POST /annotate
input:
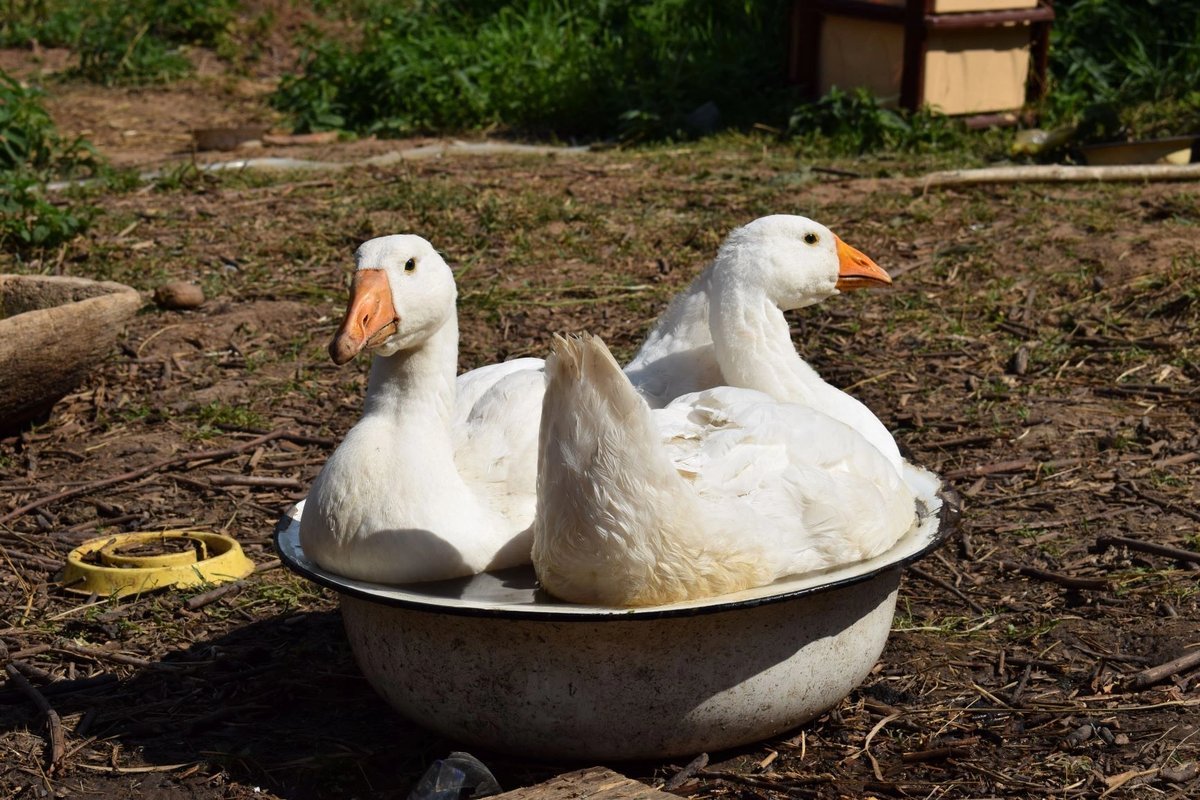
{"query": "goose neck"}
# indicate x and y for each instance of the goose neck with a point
(417, 383)
(753, 345)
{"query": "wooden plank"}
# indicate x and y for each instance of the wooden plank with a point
(593, 783)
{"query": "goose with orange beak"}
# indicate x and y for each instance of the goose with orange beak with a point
(728, 328)
(437, 479)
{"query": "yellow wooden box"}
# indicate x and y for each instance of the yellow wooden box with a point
(965, 72)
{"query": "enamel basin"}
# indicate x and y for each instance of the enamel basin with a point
(494, 662)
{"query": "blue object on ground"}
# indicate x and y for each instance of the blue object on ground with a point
(457, 777)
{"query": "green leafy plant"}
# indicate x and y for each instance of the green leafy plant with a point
(31, 153)
(1121, 68)
(28, 137)
(52, 23)
(29, 221)
(855, 122)
(140, 41)
(121, 41)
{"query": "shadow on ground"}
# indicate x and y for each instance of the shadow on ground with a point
(279, 703)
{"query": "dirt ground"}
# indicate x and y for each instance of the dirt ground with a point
(1038, 349)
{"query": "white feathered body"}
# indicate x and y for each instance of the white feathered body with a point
(722, 490)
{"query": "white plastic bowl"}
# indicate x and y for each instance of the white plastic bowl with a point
(492, 661)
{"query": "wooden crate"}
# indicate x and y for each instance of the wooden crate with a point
(965, 71)
(963, 6)
(978, 60)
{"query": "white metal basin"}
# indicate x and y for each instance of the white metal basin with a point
(492, 661)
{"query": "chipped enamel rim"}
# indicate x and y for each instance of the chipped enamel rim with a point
(513, 593)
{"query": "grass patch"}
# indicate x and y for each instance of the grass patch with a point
(601, 67)
(222, 415)
(850, 123)
(122, 41)
(648, 70)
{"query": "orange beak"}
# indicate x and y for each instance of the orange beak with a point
(856, 270)
(370, 317)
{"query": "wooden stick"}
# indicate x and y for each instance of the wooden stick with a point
(1019, 465)
(64, 687)
(1014, 699)
(1178, 553)
(959, 749)
(107, 522)
(1148, 677)
(58, 744)
(133, 474)
(949, 587)
(107, 655)
(255, 480)
(213, 595)
(1065, 581)
(1057, 173)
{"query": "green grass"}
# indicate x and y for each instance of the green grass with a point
(121, 41)
(222, 415)
(601, 67)
(613, 68)
(849, 123)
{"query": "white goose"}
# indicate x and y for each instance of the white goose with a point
(722, 490)
(728, 328)
(437, 479)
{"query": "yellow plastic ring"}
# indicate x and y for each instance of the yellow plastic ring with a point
(110, 553)
(214, 559)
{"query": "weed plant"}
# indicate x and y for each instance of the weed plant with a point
(121, 41)
(51, 23)
(636, 69)
(851, 123)
(139, 41)
(1125, 68)
(31, 153)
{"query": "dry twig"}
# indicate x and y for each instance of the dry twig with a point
(1153, 675)
(1065, 581)
(58, 746)
(165, 463)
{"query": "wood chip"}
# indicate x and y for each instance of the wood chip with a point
(593, 783)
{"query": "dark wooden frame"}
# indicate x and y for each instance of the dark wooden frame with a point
(918, 19)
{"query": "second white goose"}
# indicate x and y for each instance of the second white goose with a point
(722, 490)
(728, 329)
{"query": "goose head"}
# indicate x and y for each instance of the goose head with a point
(797, 262)
(401, 294)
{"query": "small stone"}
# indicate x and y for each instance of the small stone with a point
(179, 294)
(1077, 737)
(1181, 773)
(1019, 363)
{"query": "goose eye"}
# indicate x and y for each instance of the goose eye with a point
(811, 238)
(410, 265)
